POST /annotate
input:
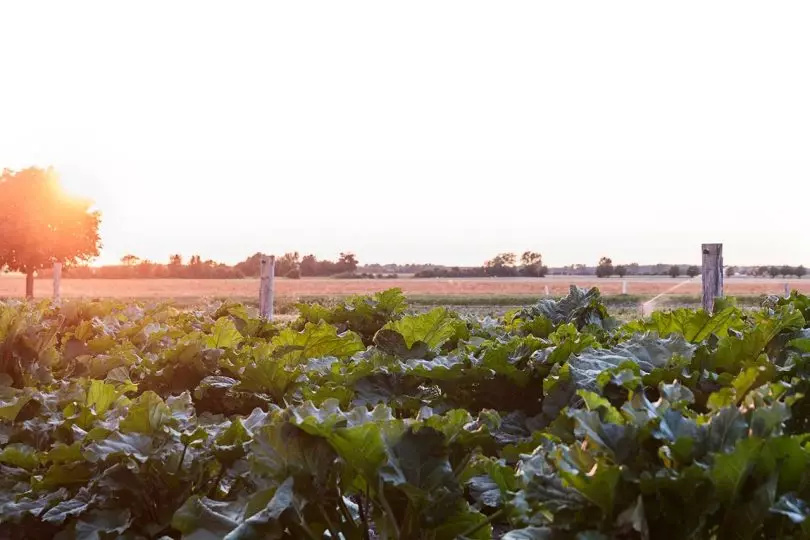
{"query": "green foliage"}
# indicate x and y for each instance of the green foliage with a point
(362, 421)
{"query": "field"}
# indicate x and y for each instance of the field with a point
(367, 421)
(471, 288)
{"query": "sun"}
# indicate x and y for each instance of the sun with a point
(73, 185)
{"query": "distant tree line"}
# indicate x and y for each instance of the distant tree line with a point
(605, 268)
(777, 271)
(290, 265)
(502, 265)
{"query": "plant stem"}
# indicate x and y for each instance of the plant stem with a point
(388, 510)
(182, 457)
(212, 492)
(475, 528)
(332, 529)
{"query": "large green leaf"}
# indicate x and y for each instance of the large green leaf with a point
(12, 402)
(314, 341)
(71, 507)
(202, 518)
(281, 450)
(224, 335)
(131, 445)
(731, 470)
(418, 465)
(464, 521)
(147, 415)
(101, 396)
(19, 455)
(270, 375)
(694, 325)
(647, 351)
(101, 524)
(433, 328)
(598, 485)
(581, 307)
(265, 523)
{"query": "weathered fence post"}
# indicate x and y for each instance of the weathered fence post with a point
(624, 287)
(787, 290)
(712, 274)
(546, 290)
(57, 281)
(268, 271)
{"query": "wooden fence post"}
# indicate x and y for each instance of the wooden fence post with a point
(57, 281)
(787, 290)
(624, 287)
(268, 271)
(712, 274)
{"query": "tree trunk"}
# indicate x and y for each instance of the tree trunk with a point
(29, 284)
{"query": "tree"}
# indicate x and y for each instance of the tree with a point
(531, 257)
(41, 225)
(195, 260)
(730, 271)
(785, 270)
(692, 271)
(533, 264)
(502, 265)
(347, 262)
(502, 259)
(604, 268)
(674, 271)
(800, 271)
(309, 265)
(287, 263)
(130, 260)
(175, 267)
(773, 271)
(620, 270)
(145, 268)
(250, 267)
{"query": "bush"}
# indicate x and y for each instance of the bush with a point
(295, 273)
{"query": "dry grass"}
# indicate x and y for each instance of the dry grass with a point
(14, 286)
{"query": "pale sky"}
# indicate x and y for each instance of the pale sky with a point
(431, 131)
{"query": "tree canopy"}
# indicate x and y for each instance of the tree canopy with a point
(605, 267)
(40, 224)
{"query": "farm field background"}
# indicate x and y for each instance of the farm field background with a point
(244, 289)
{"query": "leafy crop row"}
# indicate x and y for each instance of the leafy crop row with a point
(368, 421)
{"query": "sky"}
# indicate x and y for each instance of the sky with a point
(441, 131)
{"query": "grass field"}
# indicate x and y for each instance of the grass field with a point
(476, 291)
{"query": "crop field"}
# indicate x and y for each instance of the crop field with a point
(365, 419)
(12, 286)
